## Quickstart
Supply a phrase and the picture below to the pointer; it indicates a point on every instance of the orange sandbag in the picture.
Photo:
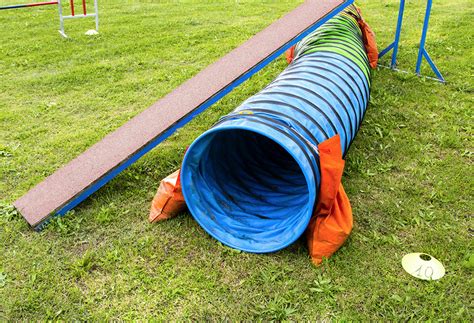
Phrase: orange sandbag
(332, 221)
(369, 41)
(168, 201)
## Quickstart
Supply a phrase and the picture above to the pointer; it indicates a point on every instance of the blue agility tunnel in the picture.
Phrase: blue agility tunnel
(252, 181)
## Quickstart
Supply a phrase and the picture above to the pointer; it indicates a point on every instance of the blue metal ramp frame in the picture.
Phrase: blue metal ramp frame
(422, 52)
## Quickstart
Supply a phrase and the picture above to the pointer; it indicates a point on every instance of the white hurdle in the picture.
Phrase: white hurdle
(74, 16)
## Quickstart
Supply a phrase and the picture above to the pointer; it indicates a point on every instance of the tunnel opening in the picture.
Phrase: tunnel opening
(247, 190)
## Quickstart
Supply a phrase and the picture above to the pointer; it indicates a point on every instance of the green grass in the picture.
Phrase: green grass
(408, 174)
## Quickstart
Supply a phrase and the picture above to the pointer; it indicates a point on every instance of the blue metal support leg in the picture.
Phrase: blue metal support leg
(395, 43)
(422, 51)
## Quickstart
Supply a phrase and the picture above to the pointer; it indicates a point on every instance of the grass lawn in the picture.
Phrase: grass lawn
(408, 173)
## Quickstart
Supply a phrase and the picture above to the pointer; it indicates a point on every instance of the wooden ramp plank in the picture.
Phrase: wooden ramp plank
(81, 177)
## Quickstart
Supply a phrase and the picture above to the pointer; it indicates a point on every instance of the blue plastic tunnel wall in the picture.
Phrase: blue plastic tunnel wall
(252, 180)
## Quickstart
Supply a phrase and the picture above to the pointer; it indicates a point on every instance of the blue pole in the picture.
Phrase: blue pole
(423, 36)
(14, 6)
(27, 5)
(422, 50)
(394, 45)
(397, 34)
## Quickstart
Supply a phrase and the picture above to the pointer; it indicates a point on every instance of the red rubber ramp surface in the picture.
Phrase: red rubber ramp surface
(119, 146)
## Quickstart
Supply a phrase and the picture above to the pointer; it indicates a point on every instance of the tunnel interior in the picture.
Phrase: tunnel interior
(246, 190)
